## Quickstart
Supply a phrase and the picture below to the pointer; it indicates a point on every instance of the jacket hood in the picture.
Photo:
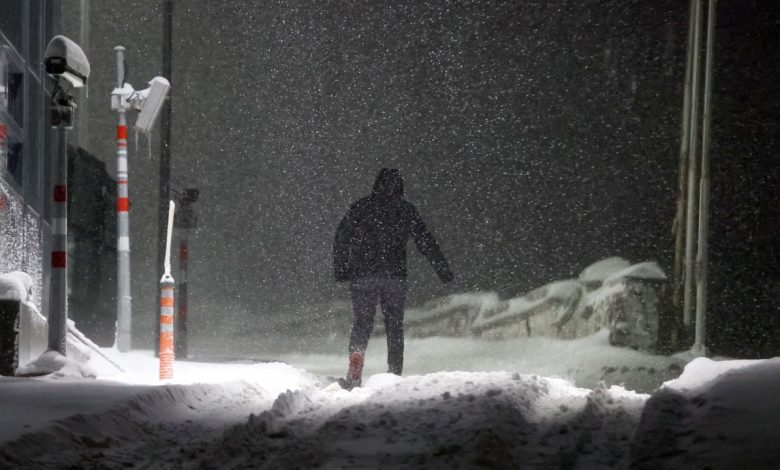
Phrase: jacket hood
(389, 184)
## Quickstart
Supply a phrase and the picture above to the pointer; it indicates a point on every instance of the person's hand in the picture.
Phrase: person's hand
(446, 276)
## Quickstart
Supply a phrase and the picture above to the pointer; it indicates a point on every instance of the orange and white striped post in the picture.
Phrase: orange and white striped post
(166, 328)
(166, 307)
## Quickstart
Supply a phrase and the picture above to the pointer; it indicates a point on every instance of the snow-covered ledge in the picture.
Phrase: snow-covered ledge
(32, 343)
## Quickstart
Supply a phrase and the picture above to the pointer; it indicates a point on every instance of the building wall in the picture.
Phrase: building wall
(26, 140)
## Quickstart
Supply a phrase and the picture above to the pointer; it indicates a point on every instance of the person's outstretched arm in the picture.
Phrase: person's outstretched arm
(428, 246)
(341, 245)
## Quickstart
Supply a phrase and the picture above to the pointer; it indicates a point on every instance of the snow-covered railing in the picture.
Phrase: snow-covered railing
(545, 300)
(612, 294)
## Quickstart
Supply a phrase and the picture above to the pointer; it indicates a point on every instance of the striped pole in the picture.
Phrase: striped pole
(166, 327)
(166, 306)
(181, 313)
(124, 308)
(58, 286)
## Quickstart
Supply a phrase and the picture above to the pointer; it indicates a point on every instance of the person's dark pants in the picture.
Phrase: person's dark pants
(390, 293)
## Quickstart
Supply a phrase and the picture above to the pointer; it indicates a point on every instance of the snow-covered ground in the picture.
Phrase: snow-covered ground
(461, 403)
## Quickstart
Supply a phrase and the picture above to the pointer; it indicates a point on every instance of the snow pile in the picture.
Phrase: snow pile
(701, 371)
(97, 423)
(52, 362)
(494, 420)
(716, 415)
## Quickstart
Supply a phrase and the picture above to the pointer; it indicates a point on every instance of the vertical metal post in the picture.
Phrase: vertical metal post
(704, 190)
(692, 170)
(685, 136)
(58, 289)
(124, 299)
(84, 29)
(182, 311)
(165, 135)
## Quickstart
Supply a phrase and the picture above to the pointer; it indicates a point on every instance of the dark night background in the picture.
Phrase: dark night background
(535, 138)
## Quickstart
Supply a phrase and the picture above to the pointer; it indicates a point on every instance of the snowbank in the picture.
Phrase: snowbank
(719, 415)
(716, 415)
(491, 420)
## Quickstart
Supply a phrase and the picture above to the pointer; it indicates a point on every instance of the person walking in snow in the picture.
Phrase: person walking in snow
(370, 252)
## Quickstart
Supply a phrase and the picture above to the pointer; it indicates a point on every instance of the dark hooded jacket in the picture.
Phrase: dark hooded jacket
(371, 239)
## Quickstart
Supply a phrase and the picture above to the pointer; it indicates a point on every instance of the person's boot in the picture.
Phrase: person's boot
(355, 370)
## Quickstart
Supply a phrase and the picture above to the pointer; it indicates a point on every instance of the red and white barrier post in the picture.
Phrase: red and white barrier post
(58, 286)
(124, 300)
(62, 111)
(166, 307)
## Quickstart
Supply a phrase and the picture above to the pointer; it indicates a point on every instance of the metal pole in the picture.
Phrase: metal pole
(124, 299)
(704, 190)
(181, 316)
(58, 289)
(679, 233)
(165, 137)
(84, 28)
(692, 170)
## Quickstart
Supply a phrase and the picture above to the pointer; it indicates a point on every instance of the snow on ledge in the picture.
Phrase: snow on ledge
(601, 270)
(16, 285)
(648, 270)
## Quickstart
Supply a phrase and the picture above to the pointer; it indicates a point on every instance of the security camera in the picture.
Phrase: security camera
(64, 58)
(149, 101)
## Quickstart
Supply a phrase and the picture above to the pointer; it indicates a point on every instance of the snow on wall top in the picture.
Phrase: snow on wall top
(16, 285)
(601, 270)
(646, 270)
